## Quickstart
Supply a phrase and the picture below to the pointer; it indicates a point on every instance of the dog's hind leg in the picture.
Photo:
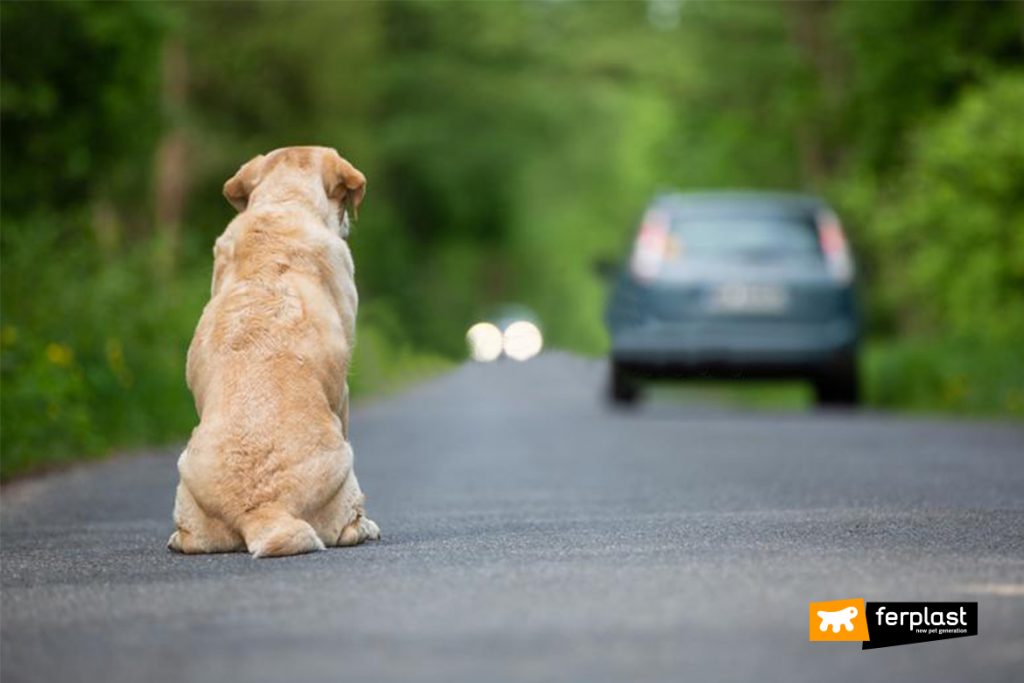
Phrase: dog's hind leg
(341, 520)
(197, 532)
(363, 529)
(349, 509)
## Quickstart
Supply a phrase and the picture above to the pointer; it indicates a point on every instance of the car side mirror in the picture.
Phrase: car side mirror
(606, 269)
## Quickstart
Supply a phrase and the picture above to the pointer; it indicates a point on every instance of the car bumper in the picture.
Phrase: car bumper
(732, 348)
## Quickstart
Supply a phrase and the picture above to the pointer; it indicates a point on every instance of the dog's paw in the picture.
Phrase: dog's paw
(363, 529)
(174, 542)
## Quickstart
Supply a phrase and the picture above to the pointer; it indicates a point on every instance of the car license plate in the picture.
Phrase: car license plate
(738, 297)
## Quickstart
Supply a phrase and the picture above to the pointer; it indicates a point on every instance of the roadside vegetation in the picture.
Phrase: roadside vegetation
(509, 147)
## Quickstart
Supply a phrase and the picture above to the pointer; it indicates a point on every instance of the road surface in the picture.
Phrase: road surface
(532, 535)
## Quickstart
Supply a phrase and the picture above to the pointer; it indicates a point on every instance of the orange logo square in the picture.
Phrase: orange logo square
(838, 620)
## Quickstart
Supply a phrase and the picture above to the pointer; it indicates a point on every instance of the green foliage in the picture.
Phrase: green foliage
(383, 363)
(509, 145)
(79, 100)
(953, 223)
(103, 365)
(908, 60)
(92, 351)
(962, 377)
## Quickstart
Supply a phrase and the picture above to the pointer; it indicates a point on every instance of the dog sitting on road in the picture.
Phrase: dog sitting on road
(269, 468)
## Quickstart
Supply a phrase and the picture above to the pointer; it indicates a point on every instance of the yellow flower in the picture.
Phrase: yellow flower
(115, 360)
(9, 335)
(955, 390)
(60, 355)
(1015, 402)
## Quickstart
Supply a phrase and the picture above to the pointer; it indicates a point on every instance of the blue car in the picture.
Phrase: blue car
(736, 285)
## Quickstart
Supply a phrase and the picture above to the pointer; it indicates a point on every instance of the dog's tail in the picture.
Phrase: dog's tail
(270, 531)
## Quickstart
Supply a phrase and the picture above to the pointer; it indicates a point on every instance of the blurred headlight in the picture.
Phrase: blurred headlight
(484, 341)
(522, 340)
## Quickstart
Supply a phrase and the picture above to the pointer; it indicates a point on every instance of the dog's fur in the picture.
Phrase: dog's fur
(269, 468)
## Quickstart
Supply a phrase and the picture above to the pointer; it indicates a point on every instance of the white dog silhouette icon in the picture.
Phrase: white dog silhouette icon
(843, 617)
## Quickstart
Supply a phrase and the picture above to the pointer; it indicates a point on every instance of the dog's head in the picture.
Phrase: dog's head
(315, 174)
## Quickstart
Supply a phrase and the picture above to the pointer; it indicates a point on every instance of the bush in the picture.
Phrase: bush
(384, 359)
(950, 236)
(94, 348)
(948, 377)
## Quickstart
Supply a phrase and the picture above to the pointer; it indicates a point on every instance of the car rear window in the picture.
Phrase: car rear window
(744, 236)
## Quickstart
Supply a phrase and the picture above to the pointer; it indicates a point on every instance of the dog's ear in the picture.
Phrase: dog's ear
(238, 188)
(343, 181)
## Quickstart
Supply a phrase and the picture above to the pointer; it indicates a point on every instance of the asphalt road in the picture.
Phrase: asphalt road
(530, 534)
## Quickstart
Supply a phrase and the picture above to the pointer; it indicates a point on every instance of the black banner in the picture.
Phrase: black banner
(902, 623)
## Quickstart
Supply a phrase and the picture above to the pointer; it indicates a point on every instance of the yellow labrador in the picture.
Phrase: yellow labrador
(269, 468)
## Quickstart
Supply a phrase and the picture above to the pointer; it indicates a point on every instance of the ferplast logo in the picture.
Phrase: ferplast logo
(902, 623)
(884, 624)
(838, 620)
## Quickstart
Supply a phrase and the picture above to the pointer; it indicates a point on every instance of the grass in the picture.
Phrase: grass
(759, 395)
(101, 366)
(945, 377)
(908, 375)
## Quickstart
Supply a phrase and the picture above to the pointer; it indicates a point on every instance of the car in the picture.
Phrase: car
(736, 285)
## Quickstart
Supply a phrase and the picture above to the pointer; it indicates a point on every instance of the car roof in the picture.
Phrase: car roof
(741, 202)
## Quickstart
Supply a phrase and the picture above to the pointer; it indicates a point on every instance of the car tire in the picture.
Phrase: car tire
(623, 390)
(838, 384)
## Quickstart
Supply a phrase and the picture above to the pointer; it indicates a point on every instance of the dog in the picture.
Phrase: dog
(269, 468)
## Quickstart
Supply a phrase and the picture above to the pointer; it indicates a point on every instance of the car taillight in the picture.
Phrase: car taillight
(652, 245)
(834, 247)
